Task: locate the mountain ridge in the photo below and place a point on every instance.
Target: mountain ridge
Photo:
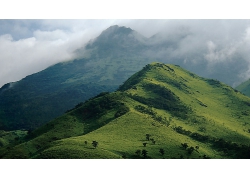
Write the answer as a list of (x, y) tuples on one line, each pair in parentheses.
[(106, 64), (185, 115), (37, 98)]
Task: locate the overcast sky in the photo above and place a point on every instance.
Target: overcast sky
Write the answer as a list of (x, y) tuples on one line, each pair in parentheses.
[(29, 46)]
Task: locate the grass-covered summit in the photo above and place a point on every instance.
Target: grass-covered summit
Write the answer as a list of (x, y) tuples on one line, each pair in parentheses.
[(162, 111)]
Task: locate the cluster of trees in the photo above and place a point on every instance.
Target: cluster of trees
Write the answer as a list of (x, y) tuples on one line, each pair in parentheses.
[(189, 149), (231, 149), (121, 111), (214, 82), (161, 91), (238, 151), (100, 104), (153, 114), (94, 143), (162, 152), (180, 130), (143, 152), (195, 135), (149, 139), (165, 99), (145, 110)]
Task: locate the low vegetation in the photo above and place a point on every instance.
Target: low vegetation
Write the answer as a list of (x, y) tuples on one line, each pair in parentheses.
[(163, 111)]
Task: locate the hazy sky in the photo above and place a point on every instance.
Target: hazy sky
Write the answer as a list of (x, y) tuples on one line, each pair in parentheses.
[(29, 46)]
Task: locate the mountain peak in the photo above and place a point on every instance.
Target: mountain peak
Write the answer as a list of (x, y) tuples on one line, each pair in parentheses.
[(155, 68), (116, 39), (116, 30)]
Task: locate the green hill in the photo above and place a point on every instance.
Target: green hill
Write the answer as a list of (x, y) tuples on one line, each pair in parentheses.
[(162, 111), (244, 87), (102, 65), (43, 96)]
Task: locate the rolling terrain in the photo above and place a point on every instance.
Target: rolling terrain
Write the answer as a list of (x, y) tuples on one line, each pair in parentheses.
[(102, 65), (162, 111), (38, 98)]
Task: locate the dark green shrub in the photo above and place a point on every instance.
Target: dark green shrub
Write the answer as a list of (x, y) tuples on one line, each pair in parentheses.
[(95, 144), (162, 151)]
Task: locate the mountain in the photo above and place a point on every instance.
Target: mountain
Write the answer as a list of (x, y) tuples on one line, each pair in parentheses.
[(162, 111), (104, 64), (244, 87), (40, 97)]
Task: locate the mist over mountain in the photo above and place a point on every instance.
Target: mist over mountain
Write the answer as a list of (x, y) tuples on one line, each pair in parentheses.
[(107, 61), (203, 46), (208, 52), (45, 95)]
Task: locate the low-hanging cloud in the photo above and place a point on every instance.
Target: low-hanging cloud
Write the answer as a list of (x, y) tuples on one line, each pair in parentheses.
[(211, 48), (43, 46), (25, 56)]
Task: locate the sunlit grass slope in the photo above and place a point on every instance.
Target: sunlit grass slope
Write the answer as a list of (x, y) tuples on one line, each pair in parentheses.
[(163, 111)]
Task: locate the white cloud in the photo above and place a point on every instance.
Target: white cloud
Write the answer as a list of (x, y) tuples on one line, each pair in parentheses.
[(216, 55), (42, 43), (25, 56)]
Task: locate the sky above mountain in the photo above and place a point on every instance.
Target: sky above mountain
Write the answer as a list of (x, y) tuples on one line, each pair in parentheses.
[(29, 46)]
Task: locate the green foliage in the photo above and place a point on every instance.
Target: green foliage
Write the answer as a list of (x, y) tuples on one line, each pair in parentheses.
[(121, 111), (162, 152), (144, 153), (190, 150), (170, 114), (184, 145), (145, 110), (138, 152), (95, 144), (214, 83), (165, 100)]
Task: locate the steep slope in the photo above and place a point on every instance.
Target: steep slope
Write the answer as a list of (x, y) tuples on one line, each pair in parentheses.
[(104, 64), (40, 97), (162, 111), (244, 87)]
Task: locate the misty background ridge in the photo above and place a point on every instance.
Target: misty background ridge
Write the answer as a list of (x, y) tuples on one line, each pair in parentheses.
[(216, 49)]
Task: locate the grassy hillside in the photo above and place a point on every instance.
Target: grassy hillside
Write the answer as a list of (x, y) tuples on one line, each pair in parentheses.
[(11, 137), (102, 65), (163, 111)]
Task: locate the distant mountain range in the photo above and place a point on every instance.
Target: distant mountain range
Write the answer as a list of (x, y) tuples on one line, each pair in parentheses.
[(104, 64), (244, 87), (162, 111)]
